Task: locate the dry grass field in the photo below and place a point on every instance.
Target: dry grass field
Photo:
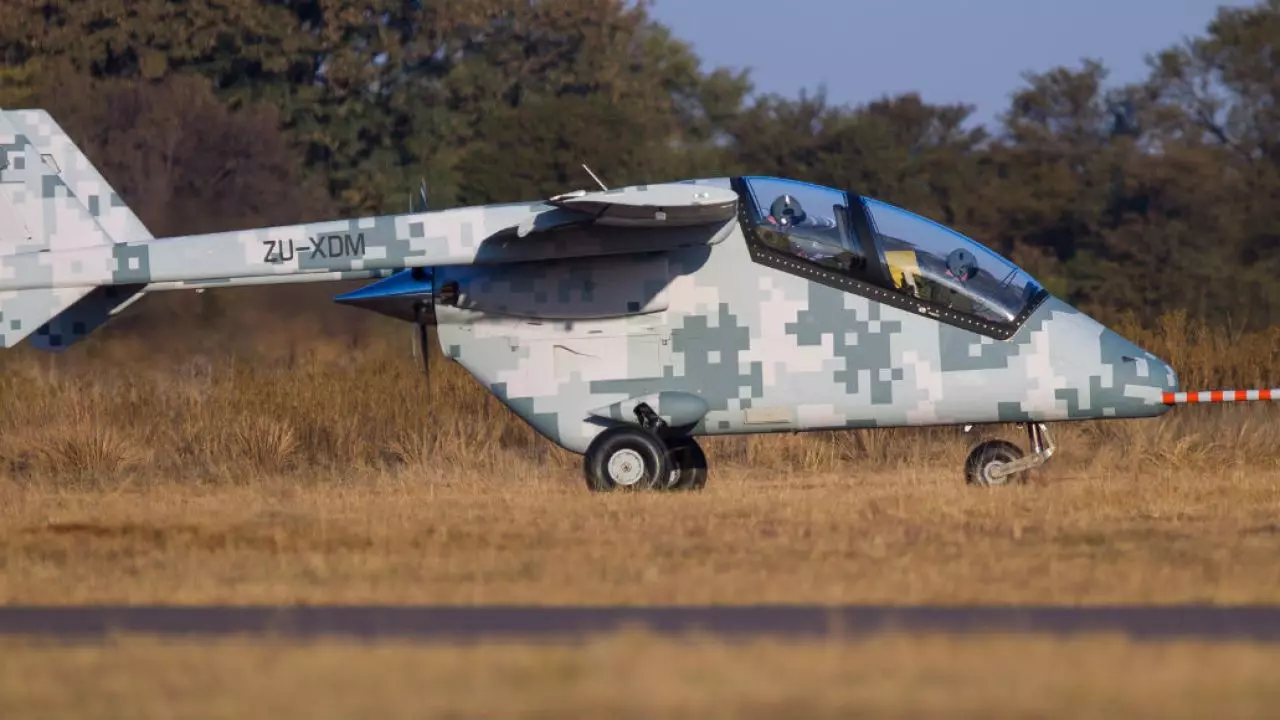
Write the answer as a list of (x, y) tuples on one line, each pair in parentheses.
[(307, 462), (279, 466), (633, 676), (909, 536)]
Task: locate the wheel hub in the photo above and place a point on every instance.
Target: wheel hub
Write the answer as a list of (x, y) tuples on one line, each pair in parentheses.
[(991, 473), (626, 467)]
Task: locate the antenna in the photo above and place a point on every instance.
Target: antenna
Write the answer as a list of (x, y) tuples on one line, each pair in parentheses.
[(419, 203), (593, 177)]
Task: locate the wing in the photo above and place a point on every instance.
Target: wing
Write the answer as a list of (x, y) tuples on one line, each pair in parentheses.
[(673, 205), (670, 205)]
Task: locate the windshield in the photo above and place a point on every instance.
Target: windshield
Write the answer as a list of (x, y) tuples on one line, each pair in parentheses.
[(935, 263), (805, 220)]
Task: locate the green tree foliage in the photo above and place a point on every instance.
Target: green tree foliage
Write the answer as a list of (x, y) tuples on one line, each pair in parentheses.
[(184, 161), (373, 93), (1219, 97), (900, 149), (210, 115), (19, 84), (554, 85)]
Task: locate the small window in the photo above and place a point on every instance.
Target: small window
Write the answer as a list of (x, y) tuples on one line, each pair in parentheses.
[(934, 263)]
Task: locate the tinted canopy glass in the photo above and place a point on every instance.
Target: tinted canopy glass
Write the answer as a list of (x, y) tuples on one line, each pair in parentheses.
[(938, 264), (809, 221), (874, 242)]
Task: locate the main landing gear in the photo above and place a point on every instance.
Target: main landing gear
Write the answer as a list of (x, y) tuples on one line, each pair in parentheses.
[(645, 457), (649, 457), (999, 462)]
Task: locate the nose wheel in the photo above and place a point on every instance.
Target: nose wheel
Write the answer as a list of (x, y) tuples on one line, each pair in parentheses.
[(999, 462)]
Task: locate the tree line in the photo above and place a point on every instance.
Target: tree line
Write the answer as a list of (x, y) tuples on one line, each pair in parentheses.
[(205, 116)]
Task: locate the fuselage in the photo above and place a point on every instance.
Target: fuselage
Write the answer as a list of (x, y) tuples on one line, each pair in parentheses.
[(759, 331), (730, 305)]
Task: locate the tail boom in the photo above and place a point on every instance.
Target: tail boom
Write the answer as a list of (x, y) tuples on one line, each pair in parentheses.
[(229, 258), (72, 254), (462, 236)]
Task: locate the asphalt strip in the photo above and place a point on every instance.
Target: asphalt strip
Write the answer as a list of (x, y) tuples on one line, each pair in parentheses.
[(452, 623)]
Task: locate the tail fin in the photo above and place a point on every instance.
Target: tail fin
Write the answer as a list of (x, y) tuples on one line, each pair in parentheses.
[(52, 198)]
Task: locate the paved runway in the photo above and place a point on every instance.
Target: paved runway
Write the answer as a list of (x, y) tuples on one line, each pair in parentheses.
[(489, 622)]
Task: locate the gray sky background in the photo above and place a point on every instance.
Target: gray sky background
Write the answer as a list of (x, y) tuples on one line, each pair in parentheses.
[(972, 51)]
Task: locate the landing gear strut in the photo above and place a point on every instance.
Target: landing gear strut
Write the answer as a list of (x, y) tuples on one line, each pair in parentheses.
[(999, 462), (648, 457)]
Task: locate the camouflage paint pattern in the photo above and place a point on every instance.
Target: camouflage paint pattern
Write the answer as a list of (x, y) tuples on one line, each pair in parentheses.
[(41, 213), (53, 199), (65, 234), (737, 347), (576, 310), (460, 236)]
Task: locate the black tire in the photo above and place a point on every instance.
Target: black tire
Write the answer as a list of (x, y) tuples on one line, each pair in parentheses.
[(689, 465), (626, 458), (985, 456)]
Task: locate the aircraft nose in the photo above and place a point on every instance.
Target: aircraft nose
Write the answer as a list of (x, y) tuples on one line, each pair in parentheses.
[(1137, 373), (1172, 383)]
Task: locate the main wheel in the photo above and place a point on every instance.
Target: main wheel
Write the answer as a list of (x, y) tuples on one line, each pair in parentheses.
[(626, 458), (689, 471), (986, 457)]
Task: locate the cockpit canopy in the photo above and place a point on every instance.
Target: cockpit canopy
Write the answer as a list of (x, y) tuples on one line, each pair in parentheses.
[(890, 246)]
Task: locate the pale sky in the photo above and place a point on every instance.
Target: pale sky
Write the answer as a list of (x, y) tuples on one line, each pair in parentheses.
[(972, 51)]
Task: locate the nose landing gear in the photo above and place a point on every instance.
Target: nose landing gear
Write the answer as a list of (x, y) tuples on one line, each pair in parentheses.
[(999, 462)]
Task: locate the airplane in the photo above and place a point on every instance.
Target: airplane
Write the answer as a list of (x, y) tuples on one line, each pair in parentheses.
[(624, 324)]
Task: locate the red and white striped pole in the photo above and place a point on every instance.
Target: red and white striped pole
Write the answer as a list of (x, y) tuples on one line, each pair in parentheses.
[(1220, 396)]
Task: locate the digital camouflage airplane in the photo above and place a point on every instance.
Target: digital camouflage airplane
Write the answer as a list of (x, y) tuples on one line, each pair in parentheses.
[(622, 324)]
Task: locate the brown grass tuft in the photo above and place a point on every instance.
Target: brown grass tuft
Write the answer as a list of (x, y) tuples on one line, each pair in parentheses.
[(86, 452)]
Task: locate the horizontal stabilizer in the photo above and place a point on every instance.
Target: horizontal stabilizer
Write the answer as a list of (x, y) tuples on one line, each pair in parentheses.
[(24, 311), (82, 317)]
